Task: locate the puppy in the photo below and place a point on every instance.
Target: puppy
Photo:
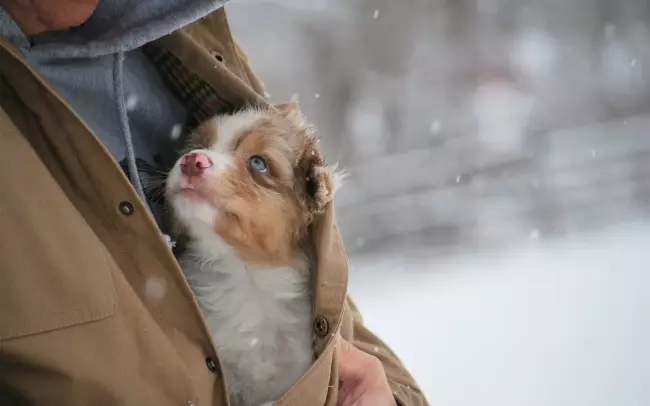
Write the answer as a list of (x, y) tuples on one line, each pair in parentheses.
[(244, 196)]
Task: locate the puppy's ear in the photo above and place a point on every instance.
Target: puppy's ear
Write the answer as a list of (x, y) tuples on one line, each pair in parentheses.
[(320, 181), (291, 111)]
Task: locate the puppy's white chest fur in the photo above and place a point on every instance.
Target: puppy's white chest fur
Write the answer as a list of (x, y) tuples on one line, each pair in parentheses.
[(260, 319)]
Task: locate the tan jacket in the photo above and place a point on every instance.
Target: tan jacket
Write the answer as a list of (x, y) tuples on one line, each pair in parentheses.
[(77, 247)]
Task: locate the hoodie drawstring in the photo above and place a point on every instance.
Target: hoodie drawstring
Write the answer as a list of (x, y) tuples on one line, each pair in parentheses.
[(118, 87)]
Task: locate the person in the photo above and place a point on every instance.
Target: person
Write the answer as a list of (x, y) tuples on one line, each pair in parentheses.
[(94, 310)]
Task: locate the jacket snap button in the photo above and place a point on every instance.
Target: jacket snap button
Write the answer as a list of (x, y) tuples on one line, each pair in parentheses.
[(321, 326), (216, 56), (127, 208), (211, 364)]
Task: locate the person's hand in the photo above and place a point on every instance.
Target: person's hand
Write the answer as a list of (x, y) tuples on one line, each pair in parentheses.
[(36, 16), (362, 380)]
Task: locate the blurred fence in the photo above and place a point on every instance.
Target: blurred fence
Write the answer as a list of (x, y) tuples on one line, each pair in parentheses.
[(467, 123)]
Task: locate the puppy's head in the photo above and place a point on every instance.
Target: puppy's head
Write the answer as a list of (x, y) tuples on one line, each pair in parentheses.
[(254, 178)]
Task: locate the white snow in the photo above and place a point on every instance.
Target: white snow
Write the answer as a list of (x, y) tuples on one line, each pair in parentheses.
[(176, 131), (155, 287), (366, 127), (170, 243), (375, 15), (534, 234), (436, 128), (131, 102), (534, 52), (501, 113), (560, 322)]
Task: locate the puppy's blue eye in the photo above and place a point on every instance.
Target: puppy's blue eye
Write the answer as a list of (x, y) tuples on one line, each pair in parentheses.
[(257, 163)]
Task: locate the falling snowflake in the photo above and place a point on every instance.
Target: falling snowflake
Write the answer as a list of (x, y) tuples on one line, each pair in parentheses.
[(375, 15), (534, 234), (175, 132), (317, 95), (267, 95), (593, 153), (295, 97), (535, 52), (458, 179), (254, 341), (131, 102), (436, 127), (633, 62), (155, 287), (170, 243)]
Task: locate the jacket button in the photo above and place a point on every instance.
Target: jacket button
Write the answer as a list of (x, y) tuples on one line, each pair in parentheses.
[(321, 326), (211, 364), (127, 208), (216, 56)]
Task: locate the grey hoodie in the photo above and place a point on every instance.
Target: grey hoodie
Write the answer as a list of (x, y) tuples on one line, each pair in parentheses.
[(99, 69)]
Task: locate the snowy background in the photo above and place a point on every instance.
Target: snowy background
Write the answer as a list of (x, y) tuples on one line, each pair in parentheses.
[(498, 213)]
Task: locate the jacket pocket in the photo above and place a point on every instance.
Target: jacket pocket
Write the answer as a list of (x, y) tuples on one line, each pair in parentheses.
[(54, 270)]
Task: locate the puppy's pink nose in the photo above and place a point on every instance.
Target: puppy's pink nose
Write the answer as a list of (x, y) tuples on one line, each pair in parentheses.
[(195, 163)]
